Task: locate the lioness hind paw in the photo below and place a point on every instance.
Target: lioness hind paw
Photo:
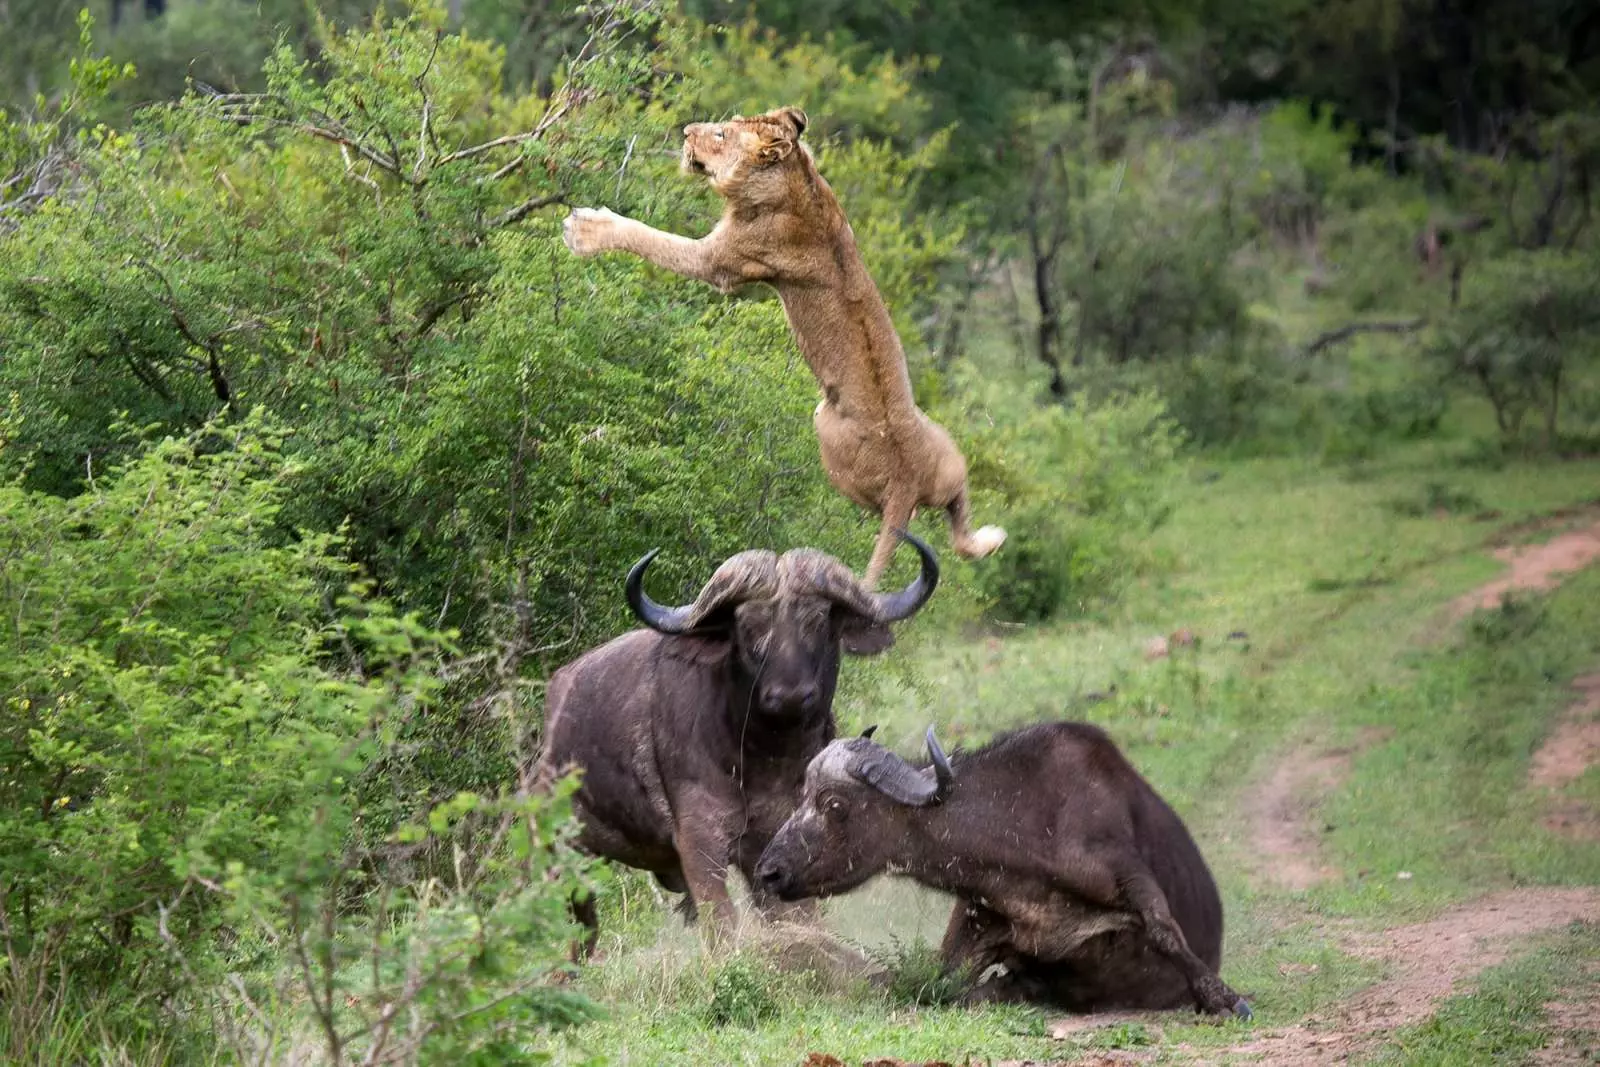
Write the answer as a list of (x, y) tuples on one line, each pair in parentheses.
[(983, 541)]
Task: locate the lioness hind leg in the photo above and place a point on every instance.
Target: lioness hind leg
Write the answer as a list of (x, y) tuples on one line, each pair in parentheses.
[(970, 543), (896, 516)]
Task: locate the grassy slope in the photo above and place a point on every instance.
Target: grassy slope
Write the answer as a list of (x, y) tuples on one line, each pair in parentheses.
[(1341, 595)]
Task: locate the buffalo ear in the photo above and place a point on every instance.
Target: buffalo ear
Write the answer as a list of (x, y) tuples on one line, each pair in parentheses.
[(862, 637), (869, 731)]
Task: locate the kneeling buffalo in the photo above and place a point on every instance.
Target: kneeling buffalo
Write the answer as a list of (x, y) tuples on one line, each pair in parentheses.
[(694, 735), (1070, 872)]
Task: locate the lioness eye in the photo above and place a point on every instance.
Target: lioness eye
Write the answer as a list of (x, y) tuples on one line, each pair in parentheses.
[(719, 135)]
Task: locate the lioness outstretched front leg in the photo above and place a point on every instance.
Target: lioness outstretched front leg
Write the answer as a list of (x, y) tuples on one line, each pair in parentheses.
[(590, 231)]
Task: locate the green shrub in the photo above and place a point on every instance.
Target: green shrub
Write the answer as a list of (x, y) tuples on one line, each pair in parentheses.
[(915, 974), (1437, 497), (744, 991), (188, 738), (500, 427), (1083, 486)]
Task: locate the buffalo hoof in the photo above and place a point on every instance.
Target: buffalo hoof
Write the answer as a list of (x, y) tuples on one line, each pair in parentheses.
[(1241, 1008)]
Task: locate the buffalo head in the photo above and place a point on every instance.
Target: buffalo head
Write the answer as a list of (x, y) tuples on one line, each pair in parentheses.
[(788, 617), (852, 820)]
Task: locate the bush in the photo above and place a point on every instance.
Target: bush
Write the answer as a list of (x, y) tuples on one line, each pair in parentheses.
[(188, 739), (744, 991), (501, 428), (916, 975), (1083, 486), (1527, 331)]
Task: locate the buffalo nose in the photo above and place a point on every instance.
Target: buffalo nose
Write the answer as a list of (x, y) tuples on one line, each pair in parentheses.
[(768, 875), (803, 696)]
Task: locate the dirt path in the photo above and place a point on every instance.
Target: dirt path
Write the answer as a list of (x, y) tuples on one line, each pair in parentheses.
[(1572, 748), (1534, 568), (1428, 960), (1285, 834)]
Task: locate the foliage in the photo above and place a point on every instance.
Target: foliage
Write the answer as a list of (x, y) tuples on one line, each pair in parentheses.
[(37, 149), (152, 623), (1085, 485), (366, 248), (1529, 325), (744, 991), (916, 974), (183, 757)]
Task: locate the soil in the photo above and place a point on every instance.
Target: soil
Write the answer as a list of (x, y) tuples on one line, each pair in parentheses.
[(1427, 960), (1285, 833), (1533, 568), (1575, 1029), (1570, 750)]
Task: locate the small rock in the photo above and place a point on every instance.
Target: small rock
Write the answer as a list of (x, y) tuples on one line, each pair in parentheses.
[(1155, 648), (1404, 876)]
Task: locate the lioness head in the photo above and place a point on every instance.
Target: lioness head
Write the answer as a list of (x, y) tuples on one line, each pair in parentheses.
[(729, 152)]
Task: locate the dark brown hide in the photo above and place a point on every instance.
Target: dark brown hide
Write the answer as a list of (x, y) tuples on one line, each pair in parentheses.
[(693, 746), (1071, 873)]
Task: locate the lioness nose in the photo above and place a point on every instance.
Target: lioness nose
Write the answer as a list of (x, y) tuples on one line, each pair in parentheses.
[(693, 128)]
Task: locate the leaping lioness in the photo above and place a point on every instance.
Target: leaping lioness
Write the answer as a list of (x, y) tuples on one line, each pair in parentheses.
[(783, 226)]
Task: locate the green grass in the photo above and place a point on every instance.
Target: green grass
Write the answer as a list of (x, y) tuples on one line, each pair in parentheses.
[(1343, 597), (1506, 1016)]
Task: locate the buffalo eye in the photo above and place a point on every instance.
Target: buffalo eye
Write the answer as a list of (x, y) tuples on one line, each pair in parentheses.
[(835, 808), (755, 626)]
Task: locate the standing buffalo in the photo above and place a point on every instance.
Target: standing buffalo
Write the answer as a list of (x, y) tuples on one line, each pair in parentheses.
[(694, 735), (1070, 871)]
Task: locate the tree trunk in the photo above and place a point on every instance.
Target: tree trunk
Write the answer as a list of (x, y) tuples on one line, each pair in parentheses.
[(1049, 321), (1553, 411)]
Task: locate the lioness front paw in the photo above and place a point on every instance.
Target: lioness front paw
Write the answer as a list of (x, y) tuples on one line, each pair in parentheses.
[(587, 230)]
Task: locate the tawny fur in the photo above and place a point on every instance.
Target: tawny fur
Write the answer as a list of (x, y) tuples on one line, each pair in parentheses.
[(782, 225)]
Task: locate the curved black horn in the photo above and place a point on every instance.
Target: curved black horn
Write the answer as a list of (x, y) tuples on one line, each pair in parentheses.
[(893, 776), (658, 618), (892, 607), (869, 731), (941, 768)]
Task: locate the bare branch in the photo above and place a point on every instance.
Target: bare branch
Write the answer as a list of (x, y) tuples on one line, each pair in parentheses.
[(1344, 333), (526, 208), (623, 170)]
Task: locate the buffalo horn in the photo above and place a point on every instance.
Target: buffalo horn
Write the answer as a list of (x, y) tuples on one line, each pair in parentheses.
[(869, 731), (747, 576), (893, 777), (892, 607), (819, 573), (941, 768)]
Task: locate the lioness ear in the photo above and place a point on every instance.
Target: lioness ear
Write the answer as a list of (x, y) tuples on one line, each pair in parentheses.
[(795, 116), (776, 149)]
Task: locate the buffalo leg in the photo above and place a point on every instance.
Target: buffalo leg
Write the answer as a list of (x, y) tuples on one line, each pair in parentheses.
[(586, 914), (976, 939), (672, 882), (1144, 896), (703, 851)]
